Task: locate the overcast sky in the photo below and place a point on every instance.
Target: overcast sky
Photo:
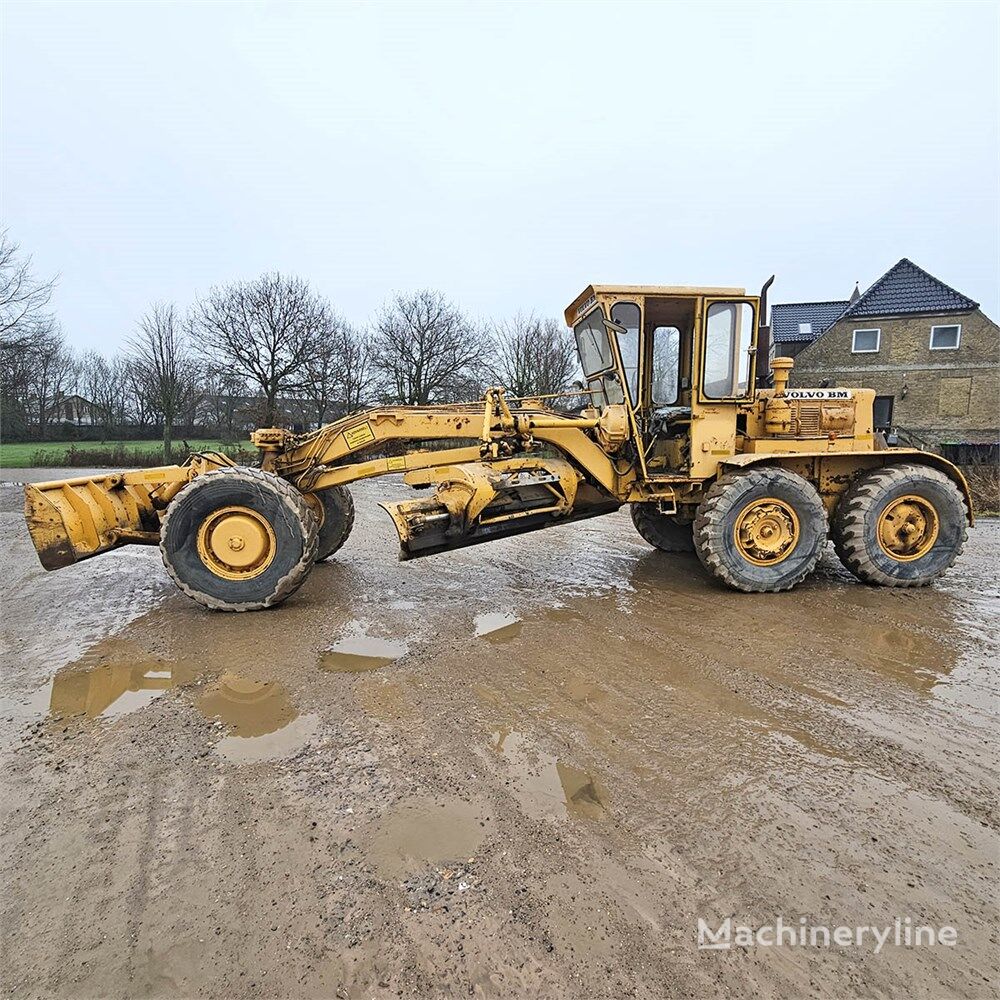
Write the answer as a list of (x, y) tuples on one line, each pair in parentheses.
[(508, 155)]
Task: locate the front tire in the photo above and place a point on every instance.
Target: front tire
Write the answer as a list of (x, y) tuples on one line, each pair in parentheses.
[(900, 526), (663, 531), (238, 539), (760, 530)]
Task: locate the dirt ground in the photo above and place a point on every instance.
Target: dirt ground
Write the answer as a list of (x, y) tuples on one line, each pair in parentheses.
[(526, 769)]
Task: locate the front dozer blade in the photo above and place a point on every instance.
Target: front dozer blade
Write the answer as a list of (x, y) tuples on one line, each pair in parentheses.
[(73, 519)]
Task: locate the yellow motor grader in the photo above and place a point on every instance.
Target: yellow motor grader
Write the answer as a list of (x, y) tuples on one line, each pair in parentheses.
[(669, 419)]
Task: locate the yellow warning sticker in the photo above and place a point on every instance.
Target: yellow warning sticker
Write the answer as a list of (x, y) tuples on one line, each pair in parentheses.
[(359, 436), (395, 464)]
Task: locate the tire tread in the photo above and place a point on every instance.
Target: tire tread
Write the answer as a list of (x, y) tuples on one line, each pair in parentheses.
[(710, 518), (848, 528), (292, 580)]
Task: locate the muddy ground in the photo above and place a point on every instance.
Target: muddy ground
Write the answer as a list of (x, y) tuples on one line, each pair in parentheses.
[(523, 770)]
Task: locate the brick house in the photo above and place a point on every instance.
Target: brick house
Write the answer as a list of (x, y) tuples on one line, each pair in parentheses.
[(928, 351)]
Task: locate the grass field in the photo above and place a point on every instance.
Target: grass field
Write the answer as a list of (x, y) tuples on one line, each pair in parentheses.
[(55, 453)]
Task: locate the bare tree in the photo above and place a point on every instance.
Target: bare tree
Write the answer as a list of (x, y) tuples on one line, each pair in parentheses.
[(357, 368), (22, 297), (323, 373), (50, 374), (531, 356), (161, 356), (107, 385), (426, 350), (267, 331), (223, 401)]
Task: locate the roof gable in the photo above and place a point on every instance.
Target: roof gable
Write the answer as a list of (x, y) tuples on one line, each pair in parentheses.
[(788, 320), (906, 288)]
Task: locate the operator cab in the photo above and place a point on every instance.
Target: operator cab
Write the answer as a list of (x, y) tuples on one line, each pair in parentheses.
[(669, 355)]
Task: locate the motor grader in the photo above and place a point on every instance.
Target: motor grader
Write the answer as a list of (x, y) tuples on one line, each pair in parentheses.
[(673, 417)]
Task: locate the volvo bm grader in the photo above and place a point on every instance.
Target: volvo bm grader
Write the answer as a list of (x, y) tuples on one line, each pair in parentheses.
[(673, 417)]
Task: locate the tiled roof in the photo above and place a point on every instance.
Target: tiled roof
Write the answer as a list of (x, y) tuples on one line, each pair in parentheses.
[(786, 319), (906, 288)]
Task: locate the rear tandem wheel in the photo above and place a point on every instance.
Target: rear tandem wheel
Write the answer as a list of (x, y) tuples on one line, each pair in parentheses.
[(760, 530), (900, 526)]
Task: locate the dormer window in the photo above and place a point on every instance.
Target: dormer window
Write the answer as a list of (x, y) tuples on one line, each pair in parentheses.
[(946, 338)]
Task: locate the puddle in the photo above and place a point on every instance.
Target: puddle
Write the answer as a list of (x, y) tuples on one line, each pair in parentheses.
[(545, 787), (263, 724), (248, 708), (358, 653), (100, 687), (274, 746), (498, 626), (415, 834)]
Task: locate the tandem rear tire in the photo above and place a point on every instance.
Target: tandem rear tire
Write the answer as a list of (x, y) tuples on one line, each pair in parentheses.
[(238, 539), (900, 526), (760, 530), (334, 510), (663, 531)]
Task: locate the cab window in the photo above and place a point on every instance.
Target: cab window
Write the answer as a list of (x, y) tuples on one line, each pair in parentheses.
[(728, 334), (666, 365), (592, 341), (626, 314)]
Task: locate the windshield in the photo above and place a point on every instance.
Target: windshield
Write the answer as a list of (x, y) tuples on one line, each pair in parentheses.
[(596, 360), (592, 341)]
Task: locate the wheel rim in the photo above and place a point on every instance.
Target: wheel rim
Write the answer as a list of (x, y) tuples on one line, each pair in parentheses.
[(908, 528), (236, 543), (766, 532)]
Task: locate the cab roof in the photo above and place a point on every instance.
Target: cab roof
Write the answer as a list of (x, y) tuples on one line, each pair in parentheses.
[(576, 307)]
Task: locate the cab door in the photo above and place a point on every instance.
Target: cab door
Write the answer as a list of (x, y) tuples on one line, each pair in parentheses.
[(724, 371)]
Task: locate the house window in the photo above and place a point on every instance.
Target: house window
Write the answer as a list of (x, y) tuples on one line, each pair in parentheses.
[(806, 329), (946, 338), (865, 341)]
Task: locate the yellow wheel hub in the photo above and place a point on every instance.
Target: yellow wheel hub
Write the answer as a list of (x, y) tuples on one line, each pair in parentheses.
[(908, 528), (236, 543), (766, 531)]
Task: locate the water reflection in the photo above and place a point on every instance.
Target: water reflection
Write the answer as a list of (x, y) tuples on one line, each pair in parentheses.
[(834, 626), (359, 652), (546, 787), (417, 832), (498, 626), (263, 724), (101, 687)]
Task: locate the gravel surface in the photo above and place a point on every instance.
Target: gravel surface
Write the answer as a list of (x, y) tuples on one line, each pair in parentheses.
[(525, 769)]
